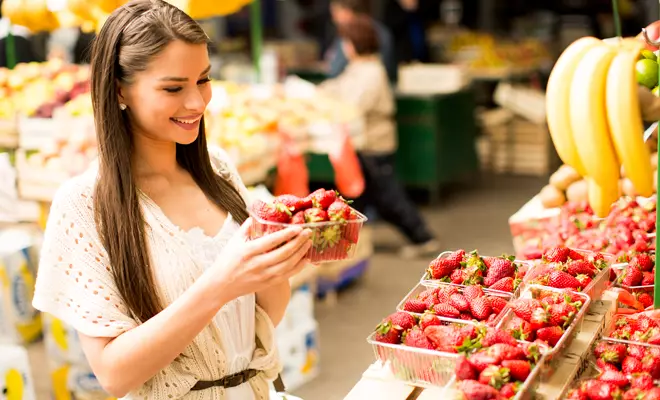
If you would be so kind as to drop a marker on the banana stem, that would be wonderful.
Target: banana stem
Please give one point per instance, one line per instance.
(617, 18)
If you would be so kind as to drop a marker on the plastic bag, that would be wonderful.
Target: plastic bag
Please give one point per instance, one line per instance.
(292, 173)
(349, 179)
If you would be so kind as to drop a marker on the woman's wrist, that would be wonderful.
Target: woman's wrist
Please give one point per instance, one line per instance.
(216, 288)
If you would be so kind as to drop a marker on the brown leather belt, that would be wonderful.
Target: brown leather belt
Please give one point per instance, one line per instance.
(229, 381)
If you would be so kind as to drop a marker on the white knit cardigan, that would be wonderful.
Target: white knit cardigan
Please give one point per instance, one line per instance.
(74, 284)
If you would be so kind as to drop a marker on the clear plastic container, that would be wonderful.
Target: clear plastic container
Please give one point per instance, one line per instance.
(331, 241)
(421, 287)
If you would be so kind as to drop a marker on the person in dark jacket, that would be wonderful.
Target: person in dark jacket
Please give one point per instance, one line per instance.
(408, 20)
(343, 11)
(23, 50)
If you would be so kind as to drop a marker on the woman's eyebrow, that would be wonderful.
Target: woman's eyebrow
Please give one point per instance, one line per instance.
(179, 79)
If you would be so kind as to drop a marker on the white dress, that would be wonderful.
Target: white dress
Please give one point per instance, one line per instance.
(236, 319)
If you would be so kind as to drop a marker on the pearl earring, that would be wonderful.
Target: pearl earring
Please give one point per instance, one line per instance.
(122, 106)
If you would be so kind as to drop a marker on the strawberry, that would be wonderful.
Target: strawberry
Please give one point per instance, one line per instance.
(444, 293)
(456, 258)
(428, 319)
(577, 394)
(415, 306)
(457, 277)
(507, 284)
(510, 390)
(495, 336)
(562, 314)
(402, 320)
(494, 376)
(416, 338)
(429, 297)
(611, 352)
(473, 292)
(539, 319)
(465, 316)
(581, 267)
(550, 335)
(463, 370)
(642, 381)
(648, 279)
(499, 268)
(532, 352)
(645, 298)
(652, 394)
(480, 308)
(643, 262)
(521, 329)
(271, 212)
(518, 369)
(631, 365)
(340, 211)
(322, 198)
(637, 351)
(598, 390)
(605, 366)
(298, 218)
(644, 323)
(523, 308)
(315, 215)
(615, 377)
(387, 333)
(459, 302)
(440, 268)
(651, 365)
(574, 255)
(632, 277)
(446, 310)
(497, 304)
(561, 280)
(293, 203)
(482, 360)
(584, 280)
(557, 254)
(473, 390)
(503, 351)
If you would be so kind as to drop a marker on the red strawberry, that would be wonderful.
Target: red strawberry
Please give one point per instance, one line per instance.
(644, 323)
(315, 215)
(605, 366)
(494, 376)
(473, 390)
(271, 212)
(298, 218)
(482, 360)
(415, 306)
(495, 336)
(293, 203)
(464, 370)
(459, 302)
(540, 319)
(645, 298)
(340, 211)
(428, 319)
(561, 280)
(480, 308)
(633, 394)
(598, 390)
(637, 351)
(440, 268)
(562, 314)
(510, 390)
(505, 285)
(532, 352)
(504, 351)
(651, 365)
(456, 258)
(521, 329)
(387, 333)
(499, 268)
(643, 262)
(577, 394)
(518, 369)
(631, 365)
(523, 308)
(584, 280)
(574, 255)
(465, 316)
(322, 198)
(581, 267)
(648, 278)
(416, 338)
(402, 320)
(443, 293)
(550, 335)
(653, 394)
(497, 304)
(614, 377)
(457, 277)
(446, 310)
(473, 292)
(429, 297)
(632, 277)
(557, 254)
(642, 381)
(611, 352)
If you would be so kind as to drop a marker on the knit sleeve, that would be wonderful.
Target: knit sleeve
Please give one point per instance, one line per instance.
(225, 167)
(74, 281)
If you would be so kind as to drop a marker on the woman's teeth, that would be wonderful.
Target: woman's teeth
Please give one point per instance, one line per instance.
(186, 121)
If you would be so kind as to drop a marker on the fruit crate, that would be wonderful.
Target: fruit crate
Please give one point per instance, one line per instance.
(616, 271)
(322, 232)
(422, 286)
(416, 366)
(598, 284)
(529, 388)
(554, 354)
(428, 281)
(612, 327)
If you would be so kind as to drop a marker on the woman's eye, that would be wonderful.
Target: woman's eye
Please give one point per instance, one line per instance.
(173, 90)
(203, 81)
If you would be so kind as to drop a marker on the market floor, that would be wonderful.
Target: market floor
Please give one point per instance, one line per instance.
(476, 218)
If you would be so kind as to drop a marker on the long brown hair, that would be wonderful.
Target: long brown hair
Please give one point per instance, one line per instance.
(129, 39)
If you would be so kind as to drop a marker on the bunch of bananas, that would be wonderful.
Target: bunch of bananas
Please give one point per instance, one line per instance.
(594, 118)
(31, 14)
(202, 9)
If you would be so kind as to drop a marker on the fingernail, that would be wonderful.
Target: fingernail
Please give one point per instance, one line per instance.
(307, 233)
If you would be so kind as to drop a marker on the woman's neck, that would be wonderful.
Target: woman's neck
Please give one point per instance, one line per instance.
(153, 157)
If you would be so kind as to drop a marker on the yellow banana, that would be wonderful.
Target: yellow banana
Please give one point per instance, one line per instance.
(601, 197)
(557, 100)
(625, 120)
(588, 116)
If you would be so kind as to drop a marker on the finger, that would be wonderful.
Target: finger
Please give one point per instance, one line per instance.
(272, 240)
(281, 254)
(289, 261)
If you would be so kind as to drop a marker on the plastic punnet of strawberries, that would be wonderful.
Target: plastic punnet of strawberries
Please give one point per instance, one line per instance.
(463, 268)
(335, 225)
(639, 271)
(469, 303)
(498, 370)
(639, 328)
(544, 319)
(565, 268)
(626, 372)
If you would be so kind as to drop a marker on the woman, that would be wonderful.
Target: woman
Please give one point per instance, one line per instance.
(144, 256)
(365, 85)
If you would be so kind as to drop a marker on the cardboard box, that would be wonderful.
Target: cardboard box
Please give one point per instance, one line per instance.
(15, 374)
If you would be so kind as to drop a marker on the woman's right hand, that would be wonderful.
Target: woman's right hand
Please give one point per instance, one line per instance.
(248, 266)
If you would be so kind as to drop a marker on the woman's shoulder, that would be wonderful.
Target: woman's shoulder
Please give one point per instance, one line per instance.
(76, 192)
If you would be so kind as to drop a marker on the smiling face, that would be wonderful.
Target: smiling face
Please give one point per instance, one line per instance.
(166, 101)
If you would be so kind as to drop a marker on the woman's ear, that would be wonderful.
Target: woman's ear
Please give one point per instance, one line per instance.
(121, 92)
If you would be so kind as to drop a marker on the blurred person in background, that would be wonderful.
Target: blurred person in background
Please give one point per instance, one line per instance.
(342, 12)
(23, 50)
(364, 84)
(407, 20)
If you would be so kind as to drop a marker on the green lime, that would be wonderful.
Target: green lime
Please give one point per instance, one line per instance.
(647, 73)
(656, 91)
(647, 54)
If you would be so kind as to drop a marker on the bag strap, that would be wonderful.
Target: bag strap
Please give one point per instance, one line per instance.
(278, 383)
